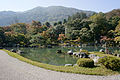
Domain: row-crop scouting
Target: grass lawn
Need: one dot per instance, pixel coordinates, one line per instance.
(78, 70)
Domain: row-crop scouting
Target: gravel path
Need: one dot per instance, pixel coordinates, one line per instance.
(13, 69)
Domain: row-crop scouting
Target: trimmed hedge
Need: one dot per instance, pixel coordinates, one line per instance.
(85, 62)
(110, 63)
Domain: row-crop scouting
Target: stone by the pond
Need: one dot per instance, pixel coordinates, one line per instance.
(13, 50)
(118, 55)
(75, 65)
(115, 54)
(59, 51)
(80, 50)
(95, 59)
(68, 65)
(49, 46)
(70, 52)
(76, 53)
(92, 56)
(80, 54)
(20, 52)
(83, 55)
(101, 50)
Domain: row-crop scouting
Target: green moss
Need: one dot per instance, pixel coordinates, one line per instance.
(78, 70)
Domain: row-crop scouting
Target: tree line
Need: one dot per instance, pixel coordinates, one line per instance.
(78, 28)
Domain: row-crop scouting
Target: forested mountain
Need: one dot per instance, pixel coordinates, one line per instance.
(113, 13)
(43, 14)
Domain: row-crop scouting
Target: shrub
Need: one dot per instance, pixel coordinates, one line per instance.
(85, 62)
(110, 63)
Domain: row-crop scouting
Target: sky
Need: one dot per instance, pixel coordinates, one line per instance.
(91, 5)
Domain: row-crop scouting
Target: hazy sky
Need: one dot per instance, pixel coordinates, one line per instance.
(93, 5)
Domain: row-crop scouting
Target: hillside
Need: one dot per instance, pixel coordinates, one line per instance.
(43, 14)
(115, 12)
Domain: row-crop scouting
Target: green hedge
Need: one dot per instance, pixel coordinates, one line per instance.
(85, 62)
(110, 63)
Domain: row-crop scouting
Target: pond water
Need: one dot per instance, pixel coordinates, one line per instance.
(49, 55)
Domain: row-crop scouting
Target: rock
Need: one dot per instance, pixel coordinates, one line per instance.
(92, 56)
(101, 50)
(76, 53)
(115, 54)
(83, 55)
(13, 50)
(49, 46)
(118, 55)
(70, 52)
(59, 51)
(20, 52)
(80, 54)
(75, 65)
(95, 59)
(79, 46)
(80, 50)
(68, 65)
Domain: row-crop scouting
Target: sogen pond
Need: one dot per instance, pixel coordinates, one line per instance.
(49, 55)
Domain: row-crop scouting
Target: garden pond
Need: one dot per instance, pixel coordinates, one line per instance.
(49, 55)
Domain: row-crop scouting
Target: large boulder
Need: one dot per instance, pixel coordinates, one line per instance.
(92, 56)
(118, 55)
(101, 50)
(68, 65)
(80, 54)
(83, 55)
(70, 52)
(76, 53)
(95, 59)
(75, 65)
(13, 50)
(49, 46)
(59, 51)
(20, 52)
(80, 50)
(115, 54)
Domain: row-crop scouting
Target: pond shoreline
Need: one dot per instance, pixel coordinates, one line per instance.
(18, 70)
(79, 70)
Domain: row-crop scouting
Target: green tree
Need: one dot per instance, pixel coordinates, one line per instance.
(2, 36)
(113, 22)
(38, 39)
(86, 35)
(47, 24)
(59, 22)
(99, 25)
(36, 23)
(117, 33)
(19, 28)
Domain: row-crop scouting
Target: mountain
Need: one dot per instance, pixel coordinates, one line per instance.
(115, 12)
(42, 14)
